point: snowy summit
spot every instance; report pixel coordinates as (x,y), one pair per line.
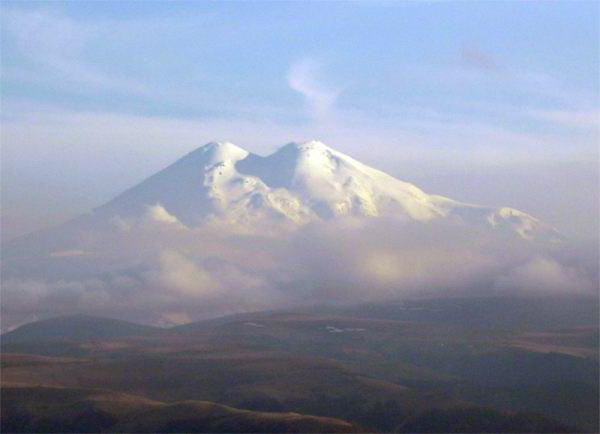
(299,183)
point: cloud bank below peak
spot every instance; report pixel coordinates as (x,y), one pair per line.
(159,272)
(151,266)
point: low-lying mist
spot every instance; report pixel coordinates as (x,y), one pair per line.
(158,271)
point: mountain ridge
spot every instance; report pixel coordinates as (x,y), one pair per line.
(298,183)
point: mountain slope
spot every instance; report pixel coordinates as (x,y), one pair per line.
(75,328)
(299,183)
(57,409)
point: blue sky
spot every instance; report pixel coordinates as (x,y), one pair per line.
(97,95)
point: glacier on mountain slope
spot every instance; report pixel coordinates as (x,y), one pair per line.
(299,183)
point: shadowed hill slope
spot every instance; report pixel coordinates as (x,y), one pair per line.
(76,328)
(55,409)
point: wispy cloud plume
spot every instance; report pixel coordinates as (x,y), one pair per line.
(303,77)
(55,46)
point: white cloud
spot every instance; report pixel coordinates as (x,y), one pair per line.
(172,275)
(543,274)
(158,214)
(55,45)
(180,274)
(320,99)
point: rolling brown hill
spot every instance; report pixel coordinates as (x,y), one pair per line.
(382,368)
(57,409)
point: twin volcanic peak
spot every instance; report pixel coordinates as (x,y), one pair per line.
(299,183)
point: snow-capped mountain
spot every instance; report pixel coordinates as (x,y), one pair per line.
(298,183)
(223,230)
